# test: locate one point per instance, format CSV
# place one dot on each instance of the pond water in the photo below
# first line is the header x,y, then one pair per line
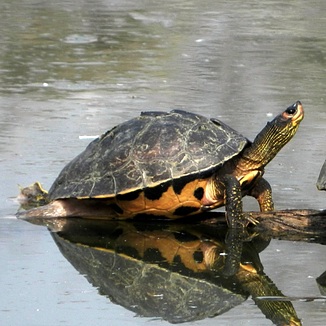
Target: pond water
x,y
78,68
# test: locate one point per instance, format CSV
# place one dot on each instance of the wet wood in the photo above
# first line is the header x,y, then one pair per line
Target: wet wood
x,y
307,221
295,224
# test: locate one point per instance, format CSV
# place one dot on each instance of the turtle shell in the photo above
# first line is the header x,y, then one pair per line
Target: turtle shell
x,y
321,182
148,151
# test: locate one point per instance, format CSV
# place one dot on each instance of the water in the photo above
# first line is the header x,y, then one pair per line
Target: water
x,y
78,68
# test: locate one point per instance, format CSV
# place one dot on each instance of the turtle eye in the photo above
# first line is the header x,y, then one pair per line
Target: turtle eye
x,y
292,109
293,113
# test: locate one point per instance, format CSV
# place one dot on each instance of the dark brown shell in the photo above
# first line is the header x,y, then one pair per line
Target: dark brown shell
x,y
146,151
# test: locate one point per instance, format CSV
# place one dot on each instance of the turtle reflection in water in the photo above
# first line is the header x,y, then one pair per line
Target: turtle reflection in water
x,y
170,164
170,271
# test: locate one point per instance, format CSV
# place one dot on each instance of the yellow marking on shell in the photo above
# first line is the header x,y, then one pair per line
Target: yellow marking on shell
x,y
96,197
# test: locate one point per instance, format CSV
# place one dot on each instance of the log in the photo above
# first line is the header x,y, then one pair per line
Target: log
x,y
292,224
304,220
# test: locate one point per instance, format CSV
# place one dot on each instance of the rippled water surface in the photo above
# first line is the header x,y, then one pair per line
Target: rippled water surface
x,y
76,68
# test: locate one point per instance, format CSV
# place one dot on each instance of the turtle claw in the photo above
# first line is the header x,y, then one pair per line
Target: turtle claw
x,y
249,218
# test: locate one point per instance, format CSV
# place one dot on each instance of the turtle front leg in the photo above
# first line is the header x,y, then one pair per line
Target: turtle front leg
x,y
233,202
227,190
262,191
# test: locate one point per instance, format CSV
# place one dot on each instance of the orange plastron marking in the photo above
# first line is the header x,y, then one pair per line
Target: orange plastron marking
x,y
163,200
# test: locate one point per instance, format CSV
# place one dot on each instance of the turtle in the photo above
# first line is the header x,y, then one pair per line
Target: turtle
x,y
321,281
170,165
321,182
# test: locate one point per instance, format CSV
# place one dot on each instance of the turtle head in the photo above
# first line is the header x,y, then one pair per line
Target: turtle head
x,y
280,130
275,135
290,118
